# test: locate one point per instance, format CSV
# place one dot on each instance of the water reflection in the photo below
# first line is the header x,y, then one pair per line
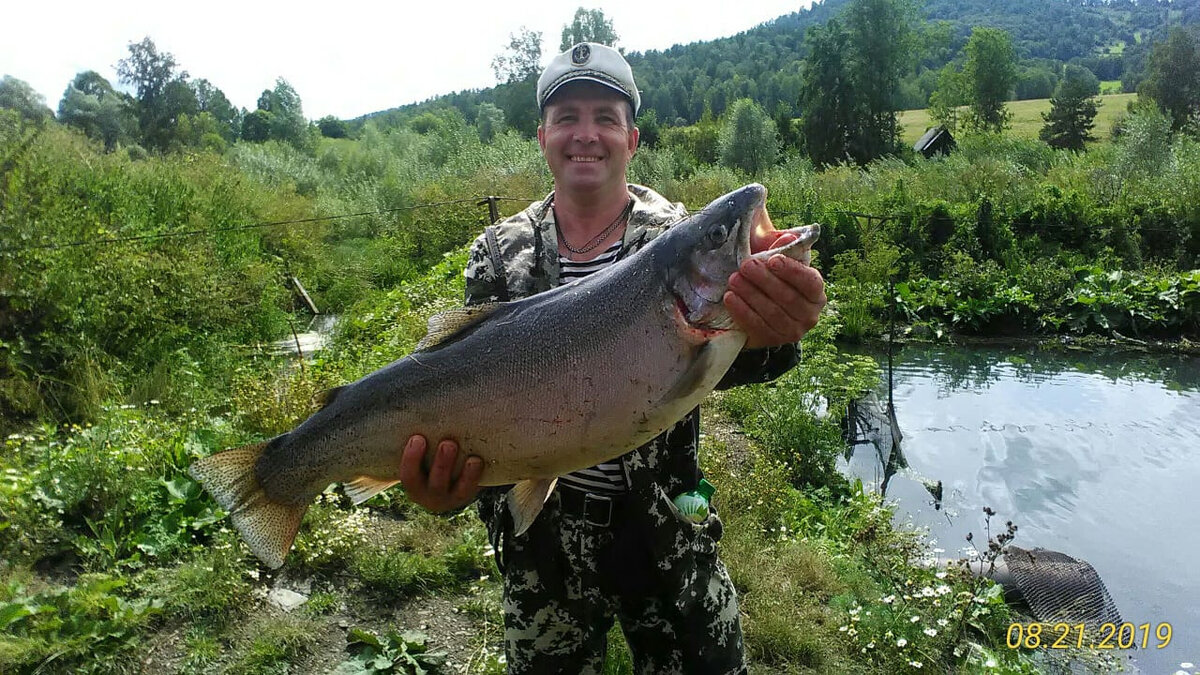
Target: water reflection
x,y
1090,454
977,368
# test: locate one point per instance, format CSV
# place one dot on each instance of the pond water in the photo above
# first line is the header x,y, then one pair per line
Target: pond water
x,y
1096,456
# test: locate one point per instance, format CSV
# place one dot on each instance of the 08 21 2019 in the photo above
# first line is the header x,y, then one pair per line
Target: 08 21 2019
x,y
1076,636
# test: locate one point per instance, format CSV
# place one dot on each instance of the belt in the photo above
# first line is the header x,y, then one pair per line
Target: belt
x,y
594,509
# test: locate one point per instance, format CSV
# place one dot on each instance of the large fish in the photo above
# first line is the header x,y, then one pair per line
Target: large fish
x,y
537,388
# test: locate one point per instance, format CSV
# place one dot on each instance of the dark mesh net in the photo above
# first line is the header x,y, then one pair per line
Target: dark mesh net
x,y
1059,588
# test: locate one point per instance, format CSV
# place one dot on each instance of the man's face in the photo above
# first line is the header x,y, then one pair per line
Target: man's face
x,y
586,137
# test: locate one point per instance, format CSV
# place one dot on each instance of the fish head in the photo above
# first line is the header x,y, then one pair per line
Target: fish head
x,y
709,246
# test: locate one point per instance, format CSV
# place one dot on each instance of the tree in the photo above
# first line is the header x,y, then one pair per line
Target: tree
x,y
990,73
785,126
151,73
589,25
1072,114
517,69
1037,82
881,39
287,115
332,127
212,100
950,95
91,105
489,121
827,99
522,60
649,128
1173,77
256,126
747,139
19,96
279,117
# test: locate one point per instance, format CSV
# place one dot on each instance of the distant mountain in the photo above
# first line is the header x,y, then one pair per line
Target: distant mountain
x,y
1111,38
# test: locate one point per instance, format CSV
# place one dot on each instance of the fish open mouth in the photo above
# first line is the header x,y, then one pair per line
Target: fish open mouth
x,y
759,226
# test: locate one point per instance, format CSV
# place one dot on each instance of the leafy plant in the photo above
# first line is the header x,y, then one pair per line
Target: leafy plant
x,y
85,628
400,653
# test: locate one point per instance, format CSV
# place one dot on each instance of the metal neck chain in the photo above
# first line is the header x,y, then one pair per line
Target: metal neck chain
x,y
598,239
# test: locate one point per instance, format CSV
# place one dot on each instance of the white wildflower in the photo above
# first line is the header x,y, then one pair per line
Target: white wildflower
x,y
931,632
901,642
915,664
914,618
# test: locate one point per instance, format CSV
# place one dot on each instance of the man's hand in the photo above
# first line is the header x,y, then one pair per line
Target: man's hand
x,y
775,301
434,490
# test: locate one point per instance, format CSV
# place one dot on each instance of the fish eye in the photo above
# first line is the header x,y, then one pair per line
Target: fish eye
x,y
718,235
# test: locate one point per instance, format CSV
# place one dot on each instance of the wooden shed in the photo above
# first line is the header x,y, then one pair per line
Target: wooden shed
x,y
936,141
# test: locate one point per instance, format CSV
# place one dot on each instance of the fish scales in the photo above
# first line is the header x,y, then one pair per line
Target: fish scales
x,y
518,414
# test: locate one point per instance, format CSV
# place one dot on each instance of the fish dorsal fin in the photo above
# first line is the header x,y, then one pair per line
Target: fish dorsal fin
x,y
445,325
326,397
525,501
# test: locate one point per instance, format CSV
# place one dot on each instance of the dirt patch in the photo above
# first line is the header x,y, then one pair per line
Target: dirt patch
x,y
716,425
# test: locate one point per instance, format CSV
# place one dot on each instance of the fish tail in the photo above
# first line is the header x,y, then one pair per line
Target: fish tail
x,y
268,527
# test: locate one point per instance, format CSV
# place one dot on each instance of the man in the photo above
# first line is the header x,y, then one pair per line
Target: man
x,y
609,541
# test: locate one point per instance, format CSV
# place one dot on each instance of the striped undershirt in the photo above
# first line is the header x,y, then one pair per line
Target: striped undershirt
x,y
606,478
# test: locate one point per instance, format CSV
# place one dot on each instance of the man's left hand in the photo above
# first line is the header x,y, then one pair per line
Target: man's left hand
x,y
775,301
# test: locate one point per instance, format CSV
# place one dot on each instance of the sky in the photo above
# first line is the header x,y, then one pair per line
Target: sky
x,y
343,58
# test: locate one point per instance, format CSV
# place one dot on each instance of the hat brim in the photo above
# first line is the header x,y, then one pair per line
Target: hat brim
x,y
590,78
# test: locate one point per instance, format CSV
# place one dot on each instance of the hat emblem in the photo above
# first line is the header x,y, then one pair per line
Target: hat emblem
x,y
580,54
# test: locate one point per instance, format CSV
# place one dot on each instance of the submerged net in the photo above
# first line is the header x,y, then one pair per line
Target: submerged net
x,y
1061,589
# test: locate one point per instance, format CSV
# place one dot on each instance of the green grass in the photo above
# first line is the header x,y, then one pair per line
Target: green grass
x,y
273,646
1026,118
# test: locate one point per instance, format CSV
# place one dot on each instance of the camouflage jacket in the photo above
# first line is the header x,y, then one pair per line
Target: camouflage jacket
x,y
518,257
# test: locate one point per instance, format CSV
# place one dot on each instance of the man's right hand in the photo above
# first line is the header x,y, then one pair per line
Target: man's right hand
x,y
434,489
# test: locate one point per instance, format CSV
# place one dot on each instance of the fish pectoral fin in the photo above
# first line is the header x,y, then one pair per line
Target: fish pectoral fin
x,y
444,326
364,487
693,376
525,501
268,527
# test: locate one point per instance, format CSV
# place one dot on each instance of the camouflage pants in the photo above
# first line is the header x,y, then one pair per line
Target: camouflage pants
x,y
566,579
